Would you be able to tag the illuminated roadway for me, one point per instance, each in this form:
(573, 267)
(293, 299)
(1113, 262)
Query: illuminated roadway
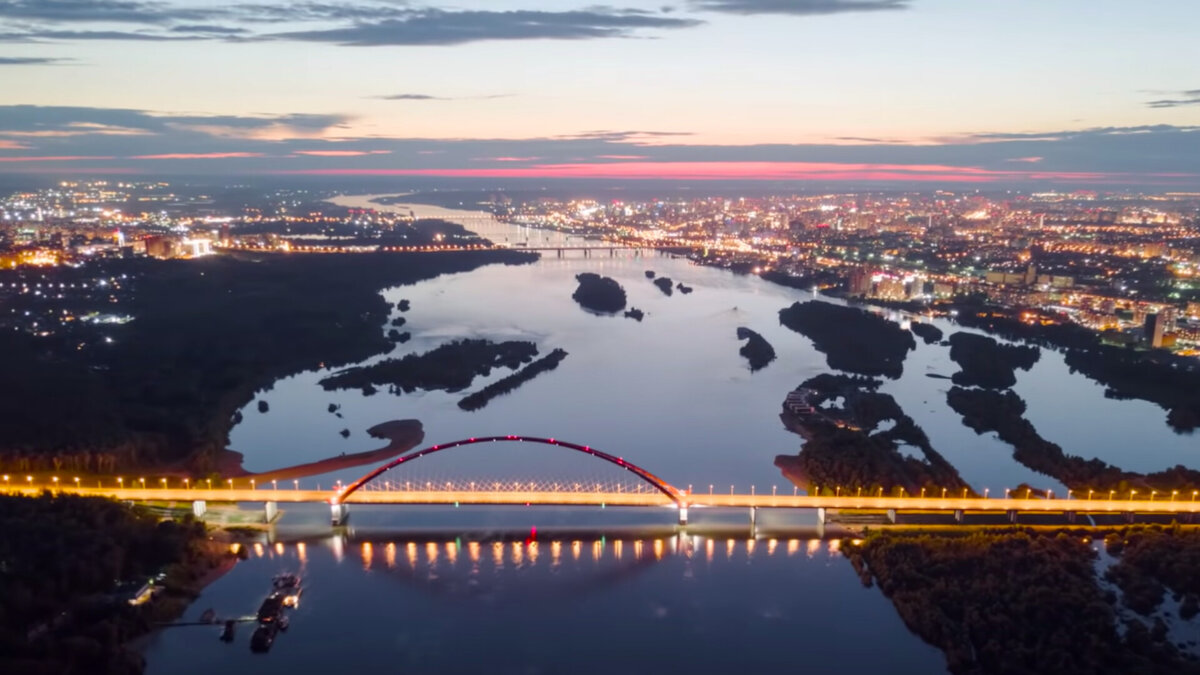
(642, 499)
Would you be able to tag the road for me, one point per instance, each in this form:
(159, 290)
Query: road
(1162, 505)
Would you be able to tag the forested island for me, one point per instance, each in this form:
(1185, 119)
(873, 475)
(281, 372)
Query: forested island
(635, 314)
(987, 363)
(665, 285)
(683, 289)
(223, 327)
(757, 350)
(928, 332)
(69, 564)
(1003, 412)
(852, 339)
(449, 367)
(1018, 601)
(1166, 379)
(599, 294)
(509, 383)
(850, 447)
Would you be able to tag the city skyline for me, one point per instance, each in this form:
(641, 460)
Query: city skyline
(1080, 93)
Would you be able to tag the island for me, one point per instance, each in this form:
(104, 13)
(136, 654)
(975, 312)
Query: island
(649, 274)
(852, 339)
(449, 367)
(928, 332)
(399, 321)
(987, 363)
(509, 383)
(757, 350)
(402, 436)
(665, 285)
(683, 289)
(599, 294)
(1169, 380)
(1003, 413)
(855, 447)
(263, 406)
(635, 314)
(1024, 601)
(403, 305)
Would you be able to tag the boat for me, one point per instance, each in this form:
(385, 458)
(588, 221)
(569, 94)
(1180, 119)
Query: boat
(286, 581)
(263, 637)
(228, 631)
(271, 608)
(283, 622)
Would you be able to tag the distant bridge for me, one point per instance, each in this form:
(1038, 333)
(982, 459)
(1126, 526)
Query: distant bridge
(660, 494)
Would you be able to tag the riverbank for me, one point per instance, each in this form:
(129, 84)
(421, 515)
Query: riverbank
(403, 435)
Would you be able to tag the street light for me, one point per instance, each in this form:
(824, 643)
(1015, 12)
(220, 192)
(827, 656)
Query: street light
(295, 485)
(985, 492)
(55, 479)
(5, 481)
(1090, 494)
(230, 483)
(164, 483)
(1174, 494)
(1152, 493)
(943, 493)
(251, 483)
(76, 482)
(121, 483)
(274, 484)
(143, 482)
(1131, 494)
(187, 484)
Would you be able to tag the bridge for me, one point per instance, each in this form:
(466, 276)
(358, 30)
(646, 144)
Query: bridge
(652, 492)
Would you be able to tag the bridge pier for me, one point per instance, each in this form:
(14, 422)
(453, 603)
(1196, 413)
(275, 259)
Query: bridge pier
(683, 516)
(821, 515)
(959, 516)
(270, 511)
(753, 517)
(1012, 516)
(199, 508)
(340, 512)
(1129, 516)
(1070, 516)
(891, 516)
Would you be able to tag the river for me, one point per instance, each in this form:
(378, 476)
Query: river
(670, 393)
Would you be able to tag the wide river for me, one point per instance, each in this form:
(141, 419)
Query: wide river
(670, 393)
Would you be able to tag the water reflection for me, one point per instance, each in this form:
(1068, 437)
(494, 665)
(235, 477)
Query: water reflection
(441, 603)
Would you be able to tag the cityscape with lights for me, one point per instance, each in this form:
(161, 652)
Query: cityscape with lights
(519, 337)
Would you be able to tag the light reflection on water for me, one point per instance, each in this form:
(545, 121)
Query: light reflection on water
(581, 605)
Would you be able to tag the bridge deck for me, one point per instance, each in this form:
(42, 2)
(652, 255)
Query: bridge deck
(643, 499)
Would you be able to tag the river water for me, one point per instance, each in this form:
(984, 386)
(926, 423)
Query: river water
(670, 393)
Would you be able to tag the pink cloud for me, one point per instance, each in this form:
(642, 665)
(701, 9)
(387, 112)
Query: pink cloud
(58, 158)
(729, 171)
(201, 155)
(341, 153)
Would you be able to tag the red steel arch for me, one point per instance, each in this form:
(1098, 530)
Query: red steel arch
(659, 484)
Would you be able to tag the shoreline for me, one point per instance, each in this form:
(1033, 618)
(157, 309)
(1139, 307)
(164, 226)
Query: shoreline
(402, 436)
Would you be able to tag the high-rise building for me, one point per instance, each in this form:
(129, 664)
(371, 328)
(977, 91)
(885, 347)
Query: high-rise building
(1155, 327)
(860, 282)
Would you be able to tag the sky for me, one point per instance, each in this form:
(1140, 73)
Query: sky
(1102, 92)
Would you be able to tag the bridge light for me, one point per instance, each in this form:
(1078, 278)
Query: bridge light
(77, 483)
(1174, 494)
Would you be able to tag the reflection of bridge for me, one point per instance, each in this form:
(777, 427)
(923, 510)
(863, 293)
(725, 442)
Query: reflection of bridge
(660, 494)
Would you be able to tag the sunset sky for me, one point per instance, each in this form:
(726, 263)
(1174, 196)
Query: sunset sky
(1082, 91)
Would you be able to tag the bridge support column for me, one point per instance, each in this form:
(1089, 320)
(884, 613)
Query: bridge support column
(1129, 516)
(340, 512)
(958, 516)
(270, 511)
(1070, 516)
(821, 515)
(753, 516)
(891, 516)
(683, 515)
(1012, 516)
(199, 508)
